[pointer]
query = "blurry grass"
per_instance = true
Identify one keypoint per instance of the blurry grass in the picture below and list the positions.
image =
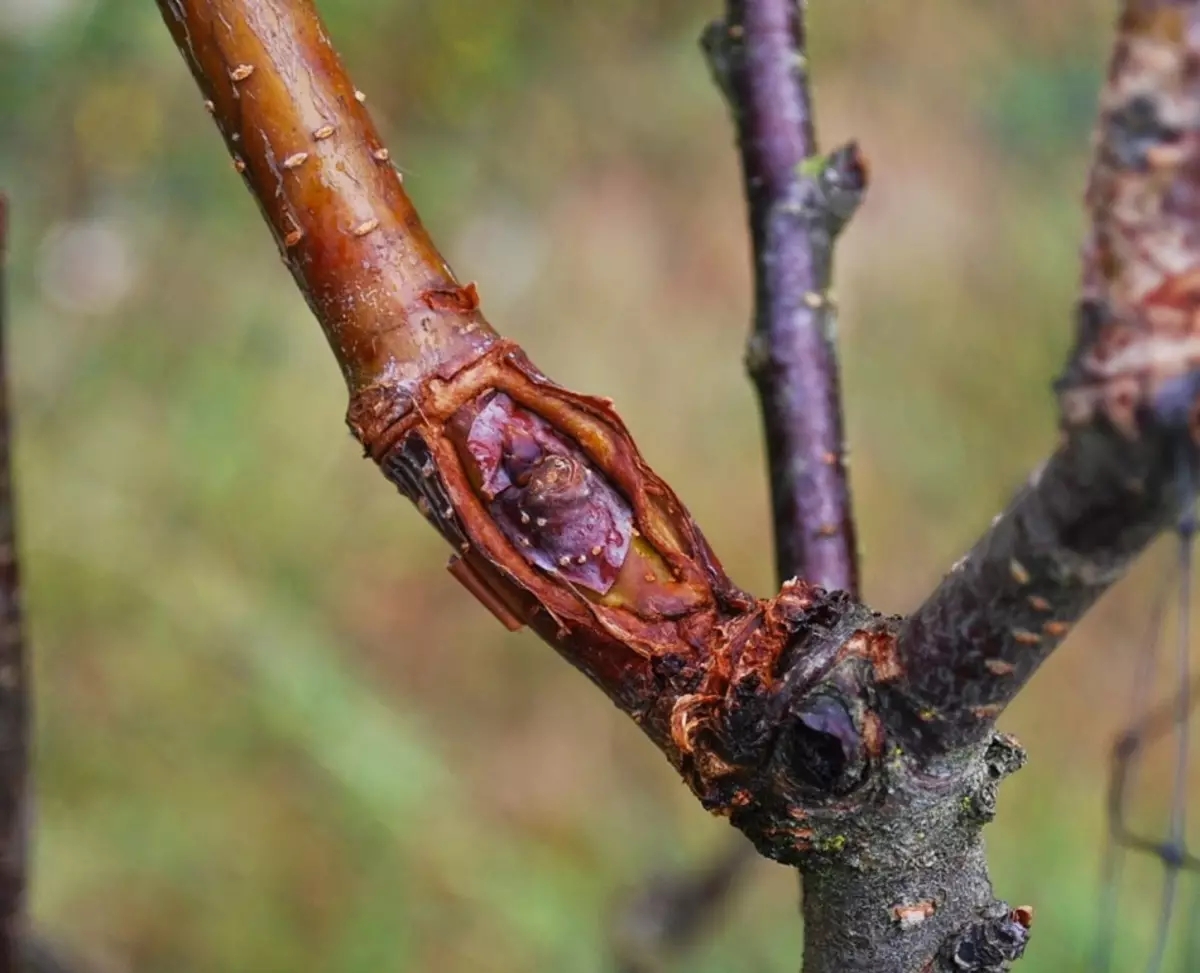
(273, 735)
(387, 783)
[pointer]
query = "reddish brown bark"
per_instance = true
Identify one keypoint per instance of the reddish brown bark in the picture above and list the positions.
(556, 519)
(389, 305)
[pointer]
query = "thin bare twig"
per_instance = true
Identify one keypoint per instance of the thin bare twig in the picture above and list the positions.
(1173, 853)
(1149, 726)
(1125, 765)
(798, 202)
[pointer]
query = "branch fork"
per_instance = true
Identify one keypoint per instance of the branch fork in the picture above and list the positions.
(860, 747)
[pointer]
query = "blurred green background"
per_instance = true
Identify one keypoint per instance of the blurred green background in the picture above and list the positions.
(273, 734)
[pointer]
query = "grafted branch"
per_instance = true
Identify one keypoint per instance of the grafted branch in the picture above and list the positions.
(556, 519)
(858, 747)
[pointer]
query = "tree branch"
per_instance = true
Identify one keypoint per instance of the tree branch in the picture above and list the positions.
(767, 708)
(14, 693)
(869, 765)
(1069, 534)
(797, 202)
(557, 520)
(1128, 402)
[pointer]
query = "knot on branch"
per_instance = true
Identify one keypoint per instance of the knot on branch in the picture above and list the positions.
(1004, 756)
(989, 944)
(783, 736)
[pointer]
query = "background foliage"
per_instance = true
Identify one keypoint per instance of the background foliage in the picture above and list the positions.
(273, 733)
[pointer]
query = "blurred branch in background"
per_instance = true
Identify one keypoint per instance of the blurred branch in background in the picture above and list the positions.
(1124, 765)
(21, 948)
(39, 955)
(672, 912)
(1149, 725)
(14, 674)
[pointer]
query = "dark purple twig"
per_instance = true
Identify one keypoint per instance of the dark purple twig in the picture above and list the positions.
(14, 702)
(797, 205)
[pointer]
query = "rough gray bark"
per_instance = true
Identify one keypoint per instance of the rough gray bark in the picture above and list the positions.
(1061, 543)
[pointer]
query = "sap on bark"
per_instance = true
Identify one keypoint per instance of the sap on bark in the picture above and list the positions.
(561, 513)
